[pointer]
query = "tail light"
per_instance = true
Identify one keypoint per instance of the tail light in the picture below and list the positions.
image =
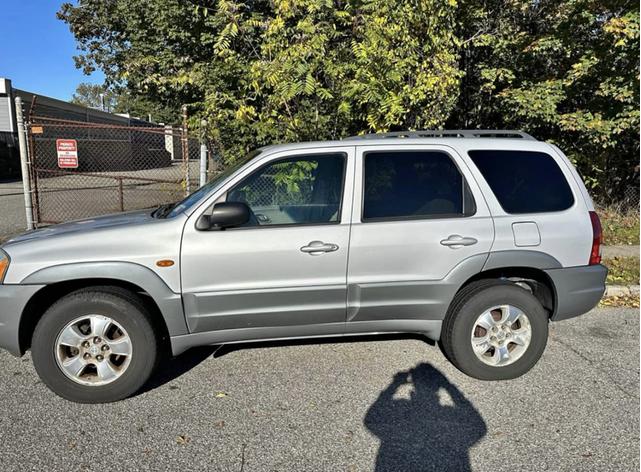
(597, 237)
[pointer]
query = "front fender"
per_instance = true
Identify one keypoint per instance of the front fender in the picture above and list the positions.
(169, 302)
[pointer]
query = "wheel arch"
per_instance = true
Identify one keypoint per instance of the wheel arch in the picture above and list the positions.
(530, 278)
(58, 281)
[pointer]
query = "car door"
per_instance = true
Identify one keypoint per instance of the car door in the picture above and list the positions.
(419, 221)
(284, 273)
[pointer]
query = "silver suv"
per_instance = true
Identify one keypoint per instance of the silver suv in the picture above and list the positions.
(476, 239)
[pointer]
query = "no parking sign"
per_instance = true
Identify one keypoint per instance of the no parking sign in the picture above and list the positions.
(67, 153)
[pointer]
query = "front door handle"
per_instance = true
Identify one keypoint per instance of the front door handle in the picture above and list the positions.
(316, 248)
(456, 241)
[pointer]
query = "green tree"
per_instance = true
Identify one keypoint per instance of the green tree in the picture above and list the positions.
(565, 71)
(269, 71)
(142, 107)
(95, 96)
(120, 100)
(265, 71)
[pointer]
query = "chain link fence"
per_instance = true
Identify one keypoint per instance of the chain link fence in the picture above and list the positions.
(631, 198)
(81, 169)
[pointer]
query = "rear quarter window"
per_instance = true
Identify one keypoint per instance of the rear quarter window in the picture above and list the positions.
(524, 181)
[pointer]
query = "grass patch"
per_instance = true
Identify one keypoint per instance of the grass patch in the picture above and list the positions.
(622, 270)
(619, 227)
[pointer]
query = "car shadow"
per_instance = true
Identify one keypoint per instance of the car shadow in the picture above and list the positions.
(423, 423)
(225, 349)
(170, 369)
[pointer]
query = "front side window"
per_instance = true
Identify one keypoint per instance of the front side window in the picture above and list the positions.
(188, 202)
(524, 181)
(297, 190)
(413, 185)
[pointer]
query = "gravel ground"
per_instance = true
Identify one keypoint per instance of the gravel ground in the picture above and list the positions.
(390, 404)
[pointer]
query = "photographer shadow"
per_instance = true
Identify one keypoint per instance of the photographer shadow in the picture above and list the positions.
(431, 427)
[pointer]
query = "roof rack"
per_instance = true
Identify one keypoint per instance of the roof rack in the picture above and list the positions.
(448, 133)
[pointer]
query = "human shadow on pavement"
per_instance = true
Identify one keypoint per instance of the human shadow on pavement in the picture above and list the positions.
(431, 427)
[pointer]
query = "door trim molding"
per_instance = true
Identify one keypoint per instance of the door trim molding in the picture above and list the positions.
(430, 328)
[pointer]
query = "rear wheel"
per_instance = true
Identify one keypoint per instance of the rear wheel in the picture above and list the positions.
(95, 345)
(495, 330)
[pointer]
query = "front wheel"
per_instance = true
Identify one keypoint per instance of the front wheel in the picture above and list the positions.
(495, 331)
(95, 345)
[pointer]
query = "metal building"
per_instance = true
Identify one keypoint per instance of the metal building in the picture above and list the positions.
(60, 110)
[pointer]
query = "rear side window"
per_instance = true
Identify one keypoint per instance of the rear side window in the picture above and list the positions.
(413, 185)
(524, 181)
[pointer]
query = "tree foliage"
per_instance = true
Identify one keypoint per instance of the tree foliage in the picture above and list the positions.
(121, 100)
(265, 71)
(269, 71)
(95, 96)
(566, 71)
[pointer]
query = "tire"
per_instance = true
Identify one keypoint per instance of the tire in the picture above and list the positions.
(116, 313)
(463, 321)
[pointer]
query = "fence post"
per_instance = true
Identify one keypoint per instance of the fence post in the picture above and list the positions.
(121, 197)
(185, 150)
(203, 154)
(24, 163)
(203, 164)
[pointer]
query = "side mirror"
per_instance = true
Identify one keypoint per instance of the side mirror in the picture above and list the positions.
(224, 215)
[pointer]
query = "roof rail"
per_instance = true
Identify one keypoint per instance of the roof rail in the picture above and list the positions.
(448, 133)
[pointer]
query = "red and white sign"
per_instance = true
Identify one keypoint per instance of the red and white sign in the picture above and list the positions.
(67, 153)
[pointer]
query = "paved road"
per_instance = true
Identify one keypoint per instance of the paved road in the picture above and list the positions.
(12, 213)
(394, 404)
(70, 197)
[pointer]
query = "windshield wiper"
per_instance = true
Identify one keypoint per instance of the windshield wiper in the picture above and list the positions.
(162, 210)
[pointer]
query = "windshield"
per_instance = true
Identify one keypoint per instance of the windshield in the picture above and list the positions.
(189, 201)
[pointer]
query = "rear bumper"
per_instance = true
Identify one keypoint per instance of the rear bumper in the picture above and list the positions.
(577, 289)
(13, 299)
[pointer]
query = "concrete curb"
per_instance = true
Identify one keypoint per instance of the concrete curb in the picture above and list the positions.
(620, 251)
(621, 290)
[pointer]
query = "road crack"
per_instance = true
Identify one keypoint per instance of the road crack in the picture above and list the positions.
(595, 366)
(242, 458)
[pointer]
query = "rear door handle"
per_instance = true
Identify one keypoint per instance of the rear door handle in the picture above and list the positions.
(456, 241)
(316, 248)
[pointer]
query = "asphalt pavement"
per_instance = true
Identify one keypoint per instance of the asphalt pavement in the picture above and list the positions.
(381, 404)
(13, 219)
